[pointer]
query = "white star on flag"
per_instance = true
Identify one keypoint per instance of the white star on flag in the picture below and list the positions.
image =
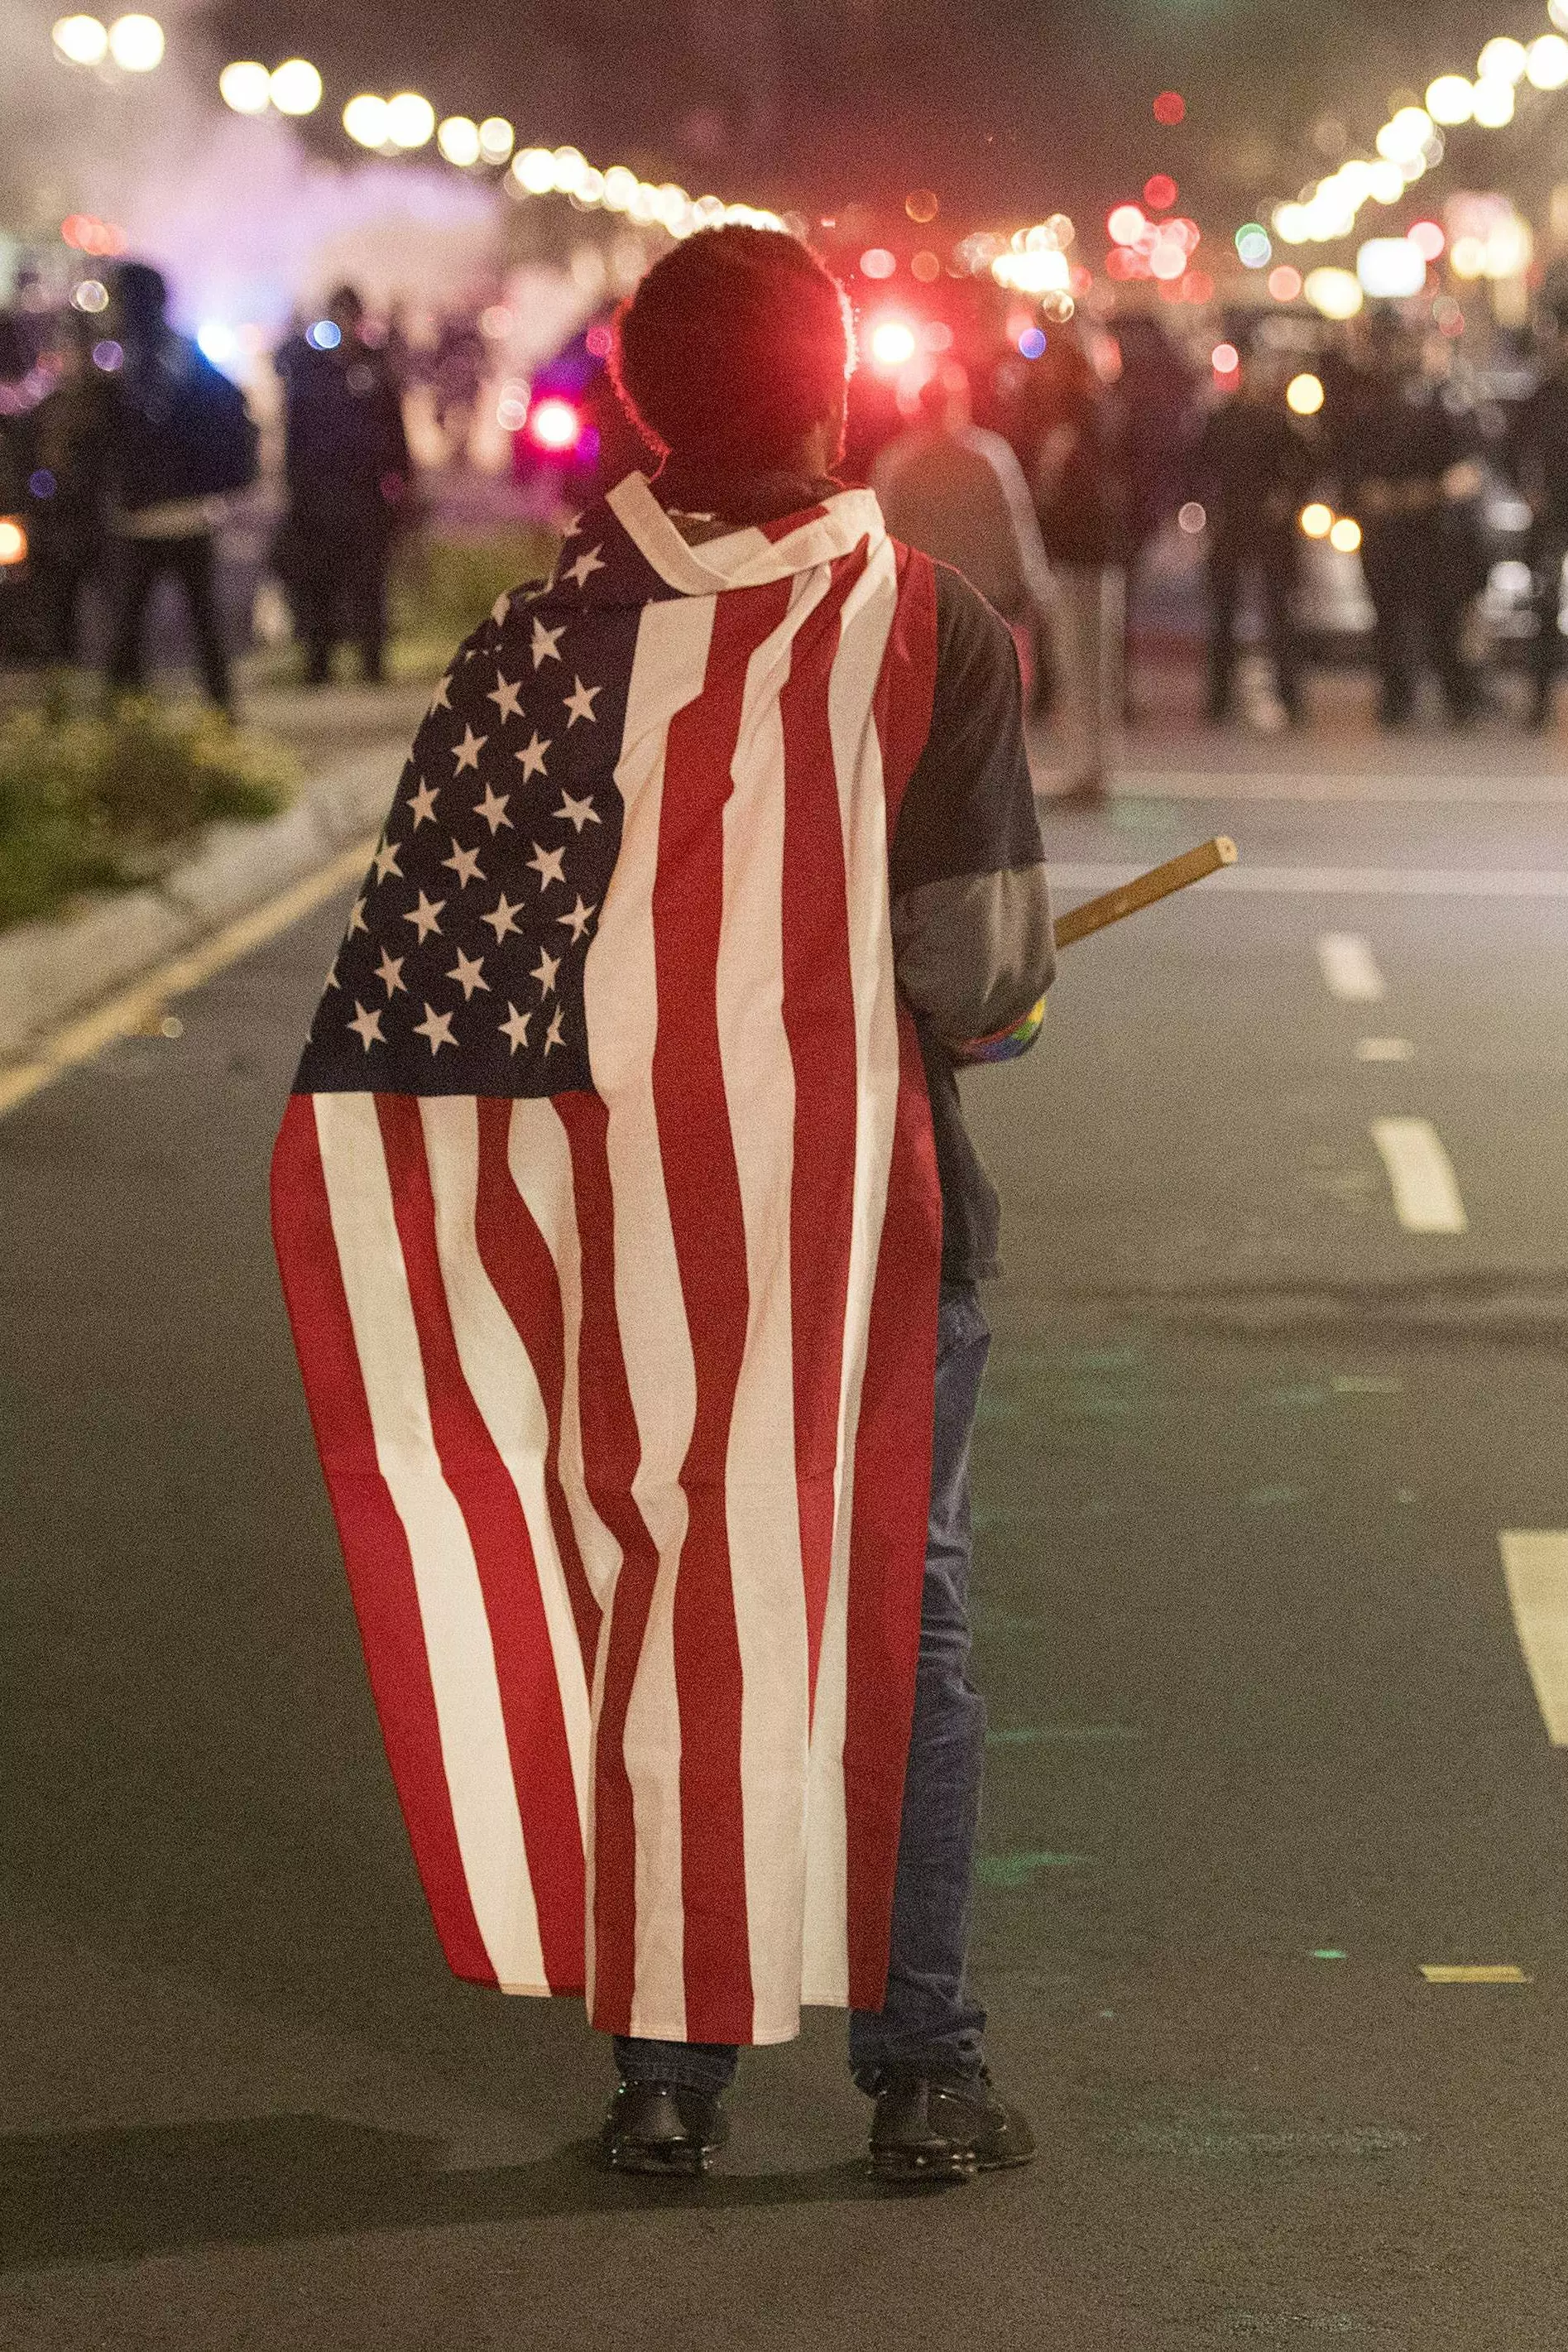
(467, 753)
(422, 804)
(438, 700)
(501, 607)
(504, 695)
(576, 813)
(357, 917)
(574, 524)
(385, 861)
(503, 916)
(464, 863)
(546, 864)
(577, 922)
(552, 1034)
(332, 979)
(367, 1026)
(423, 916)
(545, 971)
(389, 972)
(493, 809)
(468, 974)
(579, 702)
(516, 1026)
(533, 756)
(546, 641)
(437, 1027)
(589, 562)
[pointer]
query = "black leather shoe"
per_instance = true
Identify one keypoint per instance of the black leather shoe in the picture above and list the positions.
(663, 2128)
(926, 2129)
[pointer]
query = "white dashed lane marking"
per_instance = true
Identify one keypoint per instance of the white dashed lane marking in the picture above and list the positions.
(1535, 1566)
(1349, 969)
(1420, 1175)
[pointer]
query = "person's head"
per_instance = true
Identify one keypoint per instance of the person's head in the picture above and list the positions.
(346, 309)
(140, 298)
(733, 354)
(944, 402)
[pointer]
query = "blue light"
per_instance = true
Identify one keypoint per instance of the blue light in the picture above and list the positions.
(42, 484)
(325, 335)
(107, 355)
(218, 341)
(1032, 342)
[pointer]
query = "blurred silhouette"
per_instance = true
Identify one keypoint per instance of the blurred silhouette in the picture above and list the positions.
(1406, 459)
(177, 437)
(1250, 469)
(1539, 455)
(959, 494)
(347, 470)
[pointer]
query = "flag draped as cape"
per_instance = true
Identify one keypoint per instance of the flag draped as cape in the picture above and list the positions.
(607, 1211)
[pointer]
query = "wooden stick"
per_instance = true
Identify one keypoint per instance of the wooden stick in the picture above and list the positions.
(1158, 883)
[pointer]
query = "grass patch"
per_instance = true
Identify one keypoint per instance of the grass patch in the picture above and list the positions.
(101, 802)
(442, 588)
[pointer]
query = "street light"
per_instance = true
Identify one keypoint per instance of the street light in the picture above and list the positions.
(245, 87)
(81, 40)
(365, 119)
(296, 87)
(410, 119)
(136, 43)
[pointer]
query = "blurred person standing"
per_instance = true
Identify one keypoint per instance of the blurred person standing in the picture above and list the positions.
(1408, 474)
(1250, 469)
(1156, 395)
(958, 494)
(348, 469)
(1073, 417)
(1539, 460)
(67, 525)
(178, 437)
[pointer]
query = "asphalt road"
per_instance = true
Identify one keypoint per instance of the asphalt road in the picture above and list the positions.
(1263, 1740)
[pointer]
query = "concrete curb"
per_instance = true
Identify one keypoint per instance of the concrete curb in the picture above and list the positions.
(49, 971)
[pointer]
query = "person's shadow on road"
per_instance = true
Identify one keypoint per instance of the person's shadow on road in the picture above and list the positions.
(116, 2195)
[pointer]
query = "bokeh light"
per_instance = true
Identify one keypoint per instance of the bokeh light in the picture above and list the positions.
(1304, 394)
(1493, 104)
(245, 87)
(1225, 358)
(13, 541)
(1160, 192)
(1192, 517)
(1427, 238)
(1548, 66)
(1285, 283)
(365, 119)
(555, 423)
(90, 294)
(1391, 268)
(459, 140)
(1031, 344)
(877, 262)
(324, 335)
(894, 342)
(1450, 99)
(411, 120)
(136, 43)
(925, 267)
(1254, 248)
(1169, 107)
(1502, 59)
(922, 204)
(296, 87)
(81, 40)
(497, 138)
(1345, 535)
(1334, 293)
(1316, 521)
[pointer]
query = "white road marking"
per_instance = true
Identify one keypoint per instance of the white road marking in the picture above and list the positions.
(81, 1041)
(1345, 881)
(1349, 968)
(1535, 1567)
(1385, 1049)
(1420, 1175)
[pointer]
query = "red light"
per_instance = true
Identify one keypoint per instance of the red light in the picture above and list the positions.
(555, 424)
(1427, 239)
(1225, 358)
(1284, 283)
(1123, 261)
(1169, 107)
(76, 230)
(1160, 192)
(1198, 286)
(894, 342)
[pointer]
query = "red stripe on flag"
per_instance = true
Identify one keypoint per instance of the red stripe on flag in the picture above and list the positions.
(893, 1443)
(612, 1452)
(820, 1022)
(522, 1274)
(375, 1547)
(702, 1185)
(503, 1552)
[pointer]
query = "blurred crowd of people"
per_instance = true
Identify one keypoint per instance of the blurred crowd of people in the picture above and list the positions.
(1048, 477)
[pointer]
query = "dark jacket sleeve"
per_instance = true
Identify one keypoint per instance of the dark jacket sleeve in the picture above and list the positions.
(971, 908)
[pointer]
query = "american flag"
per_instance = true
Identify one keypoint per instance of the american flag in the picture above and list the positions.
(607, 1211)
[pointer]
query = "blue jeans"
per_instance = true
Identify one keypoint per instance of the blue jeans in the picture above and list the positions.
(928, 2023)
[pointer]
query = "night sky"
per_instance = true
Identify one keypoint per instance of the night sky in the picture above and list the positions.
(1011, 108)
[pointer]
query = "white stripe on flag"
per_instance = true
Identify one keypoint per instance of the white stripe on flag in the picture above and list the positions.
(762, 1503)
(621, 991)
(540, 1158)
(857, 757)
(474, 1749)
(505, 1389)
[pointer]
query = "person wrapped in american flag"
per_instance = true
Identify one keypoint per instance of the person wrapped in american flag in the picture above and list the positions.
(631, 1237)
